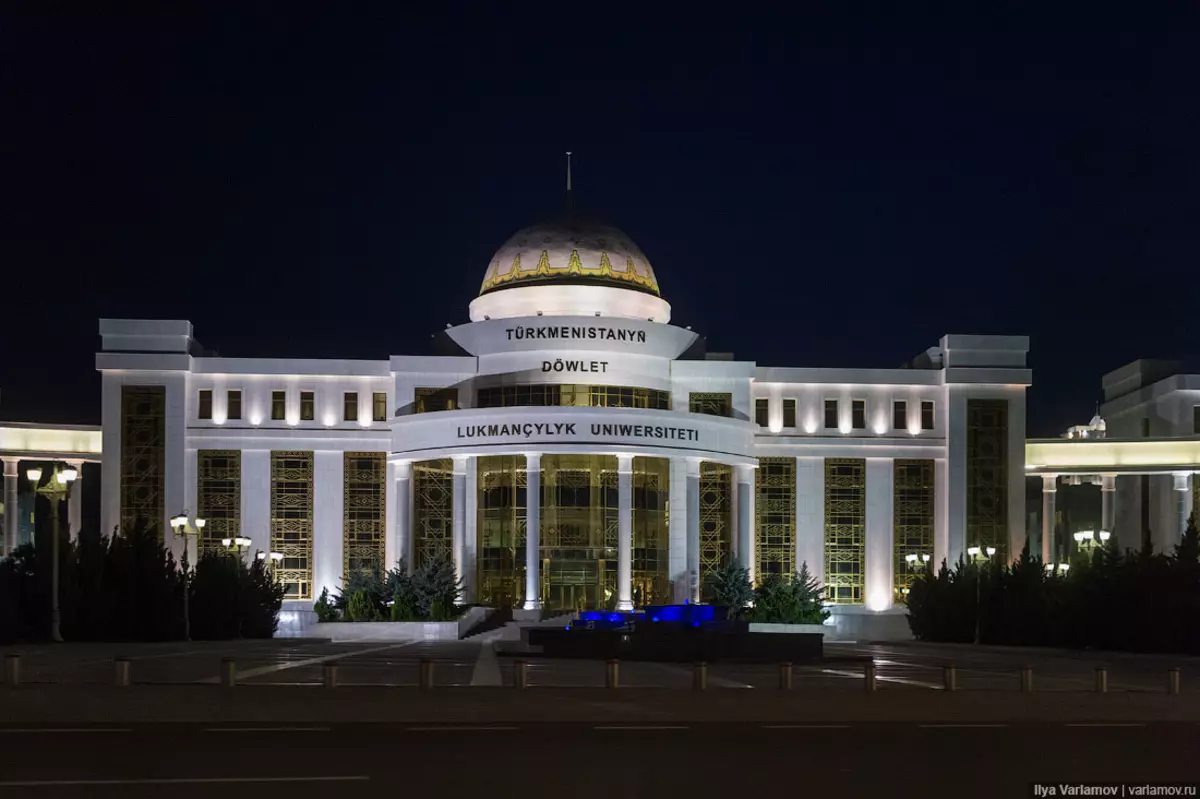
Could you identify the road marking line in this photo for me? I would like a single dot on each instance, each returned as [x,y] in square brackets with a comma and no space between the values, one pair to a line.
[63,729]
[900,680]
[175,781]
[806,726]
[267,729]
[641,727]
[1106,724]
[960,726]
[260,670]
[459,729]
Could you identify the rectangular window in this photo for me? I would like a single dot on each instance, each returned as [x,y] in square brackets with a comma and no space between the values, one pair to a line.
[711,403]
[218,499]
[292,521]
[350,406]
[845,530]
[761,412]
[278,405]
[775,517]
[926,414]
[307,406]
[1196,420]
[900,415]
[430,400]
[204,406]
[379,406]
[789,413]
[858,414]
[831,414]
[913,503]
[233,404]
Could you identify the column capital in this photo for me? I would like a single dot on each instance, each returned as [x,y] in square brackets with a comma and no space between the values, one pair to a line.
[1181,481]
[12,467]
[403,470]
[460,463]
[1108,482]
[1049,483]
[624,464]
[533,460]
[692,467]
[745,474]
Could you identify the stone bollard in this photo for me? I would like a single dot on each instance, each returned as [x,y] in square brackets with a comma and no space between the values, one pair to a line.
[785,676]
[1101,681]
[12,669]
[612,673]
[521,674]
[700,676]
[426,674]
[330,674]
[1173,680]
[950,678]
[1026,679]
[121,672]
[228,672]
[869,677]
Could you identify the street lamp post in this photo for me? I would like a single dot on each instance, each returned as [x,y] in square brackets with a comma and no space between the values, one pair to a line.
[237,545]
[56,489]
[975,553]
[184,528]
[269,559]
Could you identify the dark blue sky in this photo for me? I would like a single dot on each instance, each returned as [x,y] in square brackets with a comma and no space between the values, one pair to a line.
[835,187]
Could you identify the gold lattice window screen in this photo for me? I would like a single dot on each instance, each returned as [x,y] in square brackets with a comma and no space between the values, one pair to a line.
[433,510]
[775,517]
[500,530]
[651,512]
[143,452]
[845,530]
[912,521]
[712,403]
[292,521]
[364,512]
[219,499]
[987,475]
[716,510]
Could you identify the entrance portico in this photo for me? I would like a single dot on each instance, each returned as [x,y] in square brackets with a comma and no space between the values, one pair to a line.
[600,529]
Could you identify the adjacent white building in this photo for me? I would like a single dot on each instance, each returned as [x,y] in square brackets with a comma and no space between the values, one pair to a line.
[569,447]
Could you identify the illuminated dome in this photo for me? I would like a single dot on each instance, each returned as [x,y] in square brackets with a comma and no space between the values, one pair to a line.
[571,267]
[573,251]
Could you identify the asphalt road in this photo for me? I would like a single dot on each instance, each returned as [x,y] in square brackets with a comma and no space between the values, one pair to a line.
[584,760]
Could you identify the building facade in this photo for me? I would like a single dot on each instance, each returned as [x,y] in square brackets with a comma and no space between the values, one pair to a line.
[570,448]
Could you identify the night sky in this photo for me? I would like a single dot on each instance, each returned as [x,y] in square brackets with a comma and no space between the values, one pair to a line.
[839,187]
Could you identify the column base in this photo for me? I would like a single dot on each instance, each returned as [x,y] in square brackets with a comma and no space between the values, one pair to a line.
[532,604]
[624,607]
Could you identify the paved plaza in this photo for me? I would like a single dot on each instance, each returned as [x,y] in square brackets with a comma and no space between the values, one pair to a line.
[899,667]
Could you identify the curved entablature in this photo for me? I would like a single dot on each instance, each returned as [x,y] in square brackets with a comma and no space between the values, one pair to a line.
[565,333]
[514,431]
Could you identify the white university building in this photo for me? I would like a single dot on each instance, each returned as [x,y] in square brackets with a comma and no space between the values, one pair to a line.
[568,447]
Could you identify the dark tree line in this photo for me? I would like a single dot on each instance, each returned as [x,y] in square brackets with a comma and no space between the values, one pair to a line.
[1136,601]
[129,588]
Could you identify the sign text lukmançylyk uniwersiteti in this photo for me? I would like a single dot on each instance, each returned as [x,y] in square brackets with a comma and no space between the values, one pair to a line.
[524,430]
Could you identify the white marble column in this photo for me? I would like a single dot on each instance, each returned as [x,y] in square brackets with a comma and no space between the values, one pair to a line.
[1049,490]
[402,547]
[460,515]
[1183,503]
[624,532]
[693,529]
[1108,496]
[75,502]
[744,489]
[533,529]
[12,476]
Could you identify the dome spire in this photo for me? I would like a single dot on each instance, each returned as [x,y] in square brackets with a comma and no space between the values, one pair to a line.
[570,194]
